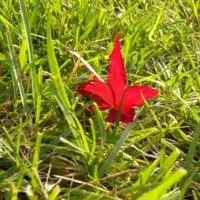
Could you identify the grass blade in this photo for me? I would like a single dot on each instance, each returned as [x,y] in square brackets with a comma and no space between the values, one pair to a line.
[53,64]
[157,192]
[158,19]
[105,166]
[169,163]
[188,164]
[6,22]
[101,124]
[146,174]
[36,155]
[39,98]
[192,149]
[33,74]
[74,124]
[55,192]
[17,80]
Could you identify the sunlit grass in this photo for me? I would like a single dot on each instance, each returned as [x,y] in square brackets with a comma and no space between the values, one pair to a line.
[52,146]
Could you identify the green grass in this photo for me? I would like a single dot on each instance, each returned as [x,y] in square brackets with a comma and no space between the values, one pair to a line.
[52,146]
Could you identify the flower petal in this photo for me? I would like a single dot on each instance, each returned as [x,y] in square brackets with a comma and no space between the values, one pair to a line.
[136,96]
[125,118]
[98,90]
[112,116]
[128,117]
[116,72]
[101,103]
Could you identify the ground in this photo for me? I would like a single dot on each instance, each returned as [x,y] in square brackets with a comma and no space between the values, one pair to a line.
[52,146]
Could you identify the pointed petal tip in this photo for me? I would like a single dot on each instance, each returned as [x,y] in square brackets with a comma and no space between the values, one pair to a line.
[137,95]
[155,92]
[116,72]
[117,40]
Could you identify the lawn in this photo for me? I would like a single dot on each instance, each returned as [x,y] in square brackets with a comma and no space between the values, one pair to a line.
[55,141]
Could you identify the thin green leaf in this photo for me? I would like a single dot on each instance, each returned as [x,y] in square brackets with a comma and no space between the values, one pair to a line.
[53,64]
[73,122]
[54,193]
[17,80]
[192,149]
[105,166]
[33,74]
[157,192]
[168,163]
[101,123]
[39,97]
[36,155]
[146,174]
[158,19]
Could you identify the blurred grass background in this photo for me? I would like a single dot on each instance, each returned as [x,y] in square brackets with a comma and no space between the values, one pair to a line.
[52,146]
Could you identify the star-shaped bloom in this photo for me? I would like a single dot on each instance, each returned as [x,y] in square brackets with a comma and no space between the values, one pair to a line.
[114,94]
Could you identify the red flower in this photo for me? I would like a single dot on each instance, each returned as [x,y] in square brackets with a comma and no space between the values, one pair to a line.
[114,94]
